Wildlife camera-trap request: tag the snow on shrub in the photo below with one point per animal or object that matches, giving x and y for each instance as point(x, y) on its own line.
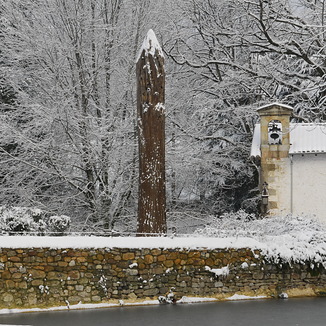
point(21, 220)
point(290, 238)
point(243, 224)
point(24, 220)
point(228, 225)
point(59, 224)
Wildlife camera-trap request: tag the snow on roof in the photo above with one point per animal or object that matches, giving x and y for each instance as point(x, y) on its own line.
point(307, 138)
point(275, 104)
point(304, 138)
point(150, 45)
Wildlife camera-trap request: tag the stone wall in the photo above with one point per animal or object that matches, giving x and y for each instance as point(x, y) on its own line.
point(51, 277)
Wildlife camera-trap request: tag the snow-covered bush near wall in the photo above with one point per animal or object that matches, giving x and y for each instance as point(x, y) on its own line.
point(229, 224)
point(242, 224)
point(59, 224)
point(287, 237)
point(21, 220)
point(24, 220)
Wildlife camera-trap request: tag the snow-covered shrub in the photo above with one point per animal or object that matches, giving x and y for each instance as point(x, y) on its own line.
point(20, 220)
point(24, 220)
point(59, 224)
point(280, 238)
point(251, 205)
point(243, 224)
point(229, 224)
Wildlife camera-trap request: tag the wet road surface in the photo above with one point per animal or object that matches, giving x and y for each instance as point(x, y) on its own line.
point(294, 312)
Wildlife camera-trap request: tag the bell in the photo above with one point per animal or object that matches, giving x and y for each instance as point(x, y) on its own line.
point(274, 132)
point(274, 135)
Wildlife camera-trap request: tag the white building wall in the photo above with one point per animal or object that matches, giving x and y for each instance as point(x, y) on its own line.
point(309, 185)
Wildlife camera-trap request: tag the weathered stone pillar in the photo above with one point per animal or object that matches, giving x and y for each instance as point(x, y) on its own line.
point(275, 162)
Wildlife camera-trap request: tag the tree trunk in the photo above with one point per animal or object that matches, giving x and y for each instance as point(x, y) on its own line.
point(151, 133)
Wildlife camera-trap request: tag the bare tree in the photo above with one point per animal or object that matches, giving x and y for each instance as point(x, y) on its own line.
point(234, 56)
point(72, 125)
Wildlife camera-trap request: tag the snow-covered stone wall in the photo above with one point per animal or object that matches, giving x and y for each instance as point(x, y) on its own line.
point(47, 277)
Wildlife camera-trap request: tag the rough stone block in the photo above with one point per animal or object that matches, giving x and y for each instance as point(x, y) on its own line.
point(218, 284)
point(74, 299)
point(17, 275)
point(79, 287)
point(128, 256)
point(156, 252)
point(151, 292)
point(161, 258)
point(32, 299)
point(37, 282)
point(6, 275)
point(55, 276)
point(149, 259)
point(168, 263)
point(10, 284)
point(75, 275)
point(7, 297)
point(132, 272)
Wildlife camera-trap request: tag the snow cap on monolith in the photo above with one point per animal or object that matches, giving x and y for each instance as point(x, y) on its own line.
point(150, 45)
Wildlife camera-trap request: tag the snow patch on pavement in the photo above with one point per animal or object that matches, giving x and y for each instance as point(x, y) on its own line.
point(186, 299)
point(245, 297)
point(80, 306)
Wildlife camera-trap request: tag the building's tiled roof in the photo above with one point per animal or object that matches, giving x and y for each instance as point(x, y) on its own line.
point(304, 138)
